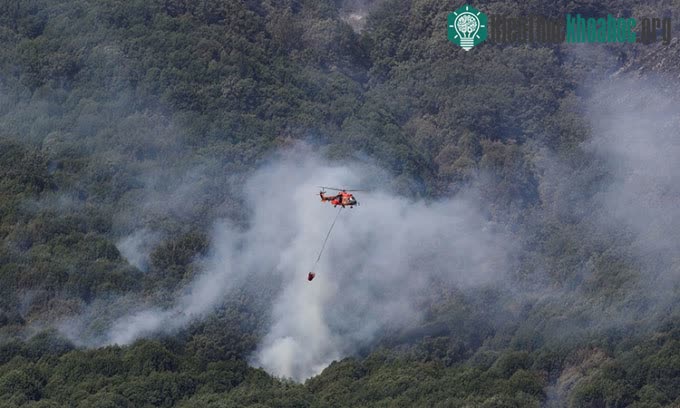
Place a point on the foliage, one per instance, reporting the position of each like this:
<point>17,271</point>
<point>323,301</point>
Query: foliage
<point>105,103</point>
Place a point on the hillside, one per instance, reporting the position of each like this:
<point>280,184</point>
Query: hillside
<point>516,246</point>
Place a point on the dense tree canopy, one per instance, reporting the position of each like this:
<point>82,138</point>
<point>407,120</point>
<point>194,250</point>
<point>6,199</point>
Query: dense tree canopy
<point>103,101</point>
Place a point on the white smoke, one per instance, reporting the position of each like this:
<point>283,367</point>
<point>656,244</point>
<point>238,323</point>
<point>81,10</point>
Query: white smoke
<point>380,262</point>
<point>637,125</point>
<point>355,12</point>
<point>622,196</point>
<point>627,194</point>
<point>135,248</point>
<point>384,257</point>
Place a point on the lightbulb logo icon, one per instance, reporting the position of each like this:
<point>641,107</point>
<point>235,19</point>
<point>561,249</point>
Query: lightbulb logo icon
<point>467,27</point>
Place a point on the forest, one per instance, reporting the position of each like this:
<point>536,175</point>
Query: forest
<point>159,162</point>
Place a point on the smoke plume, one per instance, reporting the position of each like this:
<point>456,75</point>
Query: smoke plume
<point>379,264</point>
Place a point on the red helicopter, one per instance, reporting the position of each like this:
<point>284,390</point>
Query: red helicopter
<point>343,198</point>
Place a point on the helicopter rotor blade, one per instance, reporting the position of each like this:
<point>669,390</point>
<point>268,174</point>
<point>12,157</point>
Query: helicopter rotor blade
<point>342,189</point>
<point>333,188</point>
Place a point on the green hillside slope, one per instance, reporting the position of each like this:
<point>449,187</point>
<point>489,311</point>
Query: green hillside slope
<point>120,117</point>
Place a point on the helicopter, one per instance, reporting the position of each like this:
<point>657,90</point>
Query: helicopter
<point>343,198</point>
